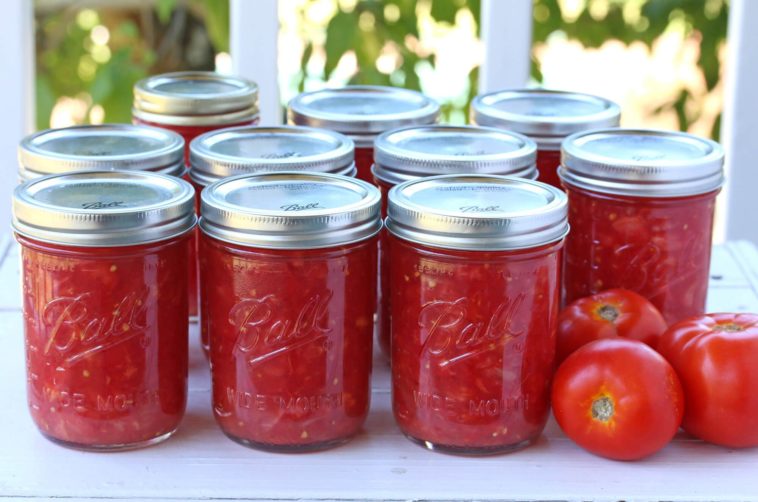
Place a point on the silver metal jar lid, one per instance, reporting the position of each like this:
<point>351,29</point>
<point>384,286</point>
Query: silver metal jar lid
<point>413,152</point>
<point>362,111</point>
<point>477,212</point>
<point>247,150</point>
<point>101,147</point>
<point>195,98</point>
<point>641,162</point>
<point>291,210</point>
<point>103,208</point>
<point>545,116</point>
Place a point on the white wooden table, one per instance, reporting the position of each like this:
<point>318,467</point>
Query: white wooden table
<point>200,463</point>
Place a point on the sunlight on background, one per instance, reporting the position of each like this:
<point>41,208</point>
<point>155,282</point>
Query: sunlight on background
<point>88,59</point>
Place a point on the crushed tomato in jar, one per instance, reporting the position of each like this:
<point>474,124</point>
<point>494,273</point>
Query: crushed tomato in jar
<point>288,265</point>
<point>421,151</point>
<point>474,277</point>
<point>104,257</point>
<point>191,103</point>
<point>362,112</point>
<point>258,149</point>
<point>641,206</point>
<point>547,117</point>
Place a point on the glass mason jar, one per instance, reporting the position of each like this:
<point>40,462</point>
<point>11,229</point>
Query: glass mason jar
<point>362,112</point>
<point>194,102</point>
<point>288,290</point>
<point>641,208</point>
<point>191,103</point>
<point>547,117</point>
<point>104,260</point>
<point>101,148</point>
<point>248,150</point>
<point>417,152</point>
<point>475,278</point>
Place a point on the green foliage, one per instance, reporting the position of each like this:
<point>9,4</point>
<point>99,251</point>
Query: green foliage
<point>602,20</point>
<point>374,25</point>
<point>141,41</point>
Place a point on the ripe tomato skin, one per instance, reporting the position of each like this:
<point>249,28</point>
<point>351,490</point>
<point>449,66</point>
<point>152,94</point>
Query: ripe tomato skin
<point>609,314</point>
<point>716,357</point>
<point>618,398</point>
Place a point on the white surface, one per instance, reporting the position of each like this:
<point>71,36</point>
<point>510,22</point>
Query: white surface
<point>506,28</point>
<point>253,36</point>
<point>740,121</point>
<point>16,93</point>
<point>200,463</point>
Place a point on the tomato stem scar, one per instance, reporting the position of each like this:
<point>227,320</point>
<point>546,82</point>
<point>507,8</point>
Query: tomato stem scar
<point>603,409</point>
<point>608,312</point>
<point>729,327</point>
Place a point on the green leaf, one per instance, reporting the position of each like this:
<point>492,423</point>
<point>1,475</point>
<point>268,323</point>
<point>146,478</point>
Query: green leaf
<point>45,101</point>
<point>216,16</point>
<point>164,9</point>
<point>444,10</point>
<point>340,37</point>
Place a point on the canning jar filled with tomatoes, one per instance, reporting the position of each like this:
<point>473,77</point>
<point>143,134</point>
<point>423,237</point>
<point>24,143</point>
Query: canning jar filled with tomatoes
<point>191,103</point>
<point>362,112</point>
<point>474,278</point>
<point>101,147</point>
<point>547,117</point>
<point>104,260</point>
<point>641,206</point>
<point>249,150</point>
<point>421,151</point>
<point>288,266</point>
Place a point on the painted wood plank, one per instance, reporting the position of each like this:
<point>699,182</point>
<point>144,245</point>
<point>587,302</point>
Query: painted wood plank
<point>741,120</point>
<point>506,29</point>
<point>253,40</point>
<point>16,92</point>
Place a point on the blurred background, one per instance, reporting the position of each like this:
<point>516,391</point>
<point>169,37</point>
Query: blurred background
<point>661,60</point>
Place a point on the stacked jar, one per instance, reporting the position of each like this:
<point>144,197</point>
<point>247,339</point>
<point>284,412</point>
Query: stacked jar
<point>475,280</point>
<point>545,116</point>
<point>248,150</point>
<point>361,113</point>
<point>288,265</point>
<point>417,152</point>
<point>101,147</point>
<point>104,259</point>
<point>191,103</point>
<point>641,212</point>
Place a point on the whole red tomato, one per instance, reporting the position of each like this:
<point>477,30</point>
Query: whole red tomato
<point>716,357</point>
<point>609,314</point>
<point>618,399</point>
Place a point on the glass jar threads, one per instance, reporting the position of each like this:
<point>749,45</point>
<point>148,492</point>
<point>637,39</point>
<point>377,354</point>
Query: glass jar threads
<point>545,116</point>
<point>288,266</point>
<point>193,102</point>
<point>101,147</point>
<point>474,277</point>
<point>362,112</point>
<point>641,211</point>
<point>104,260</point>
<point>416,152</point>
